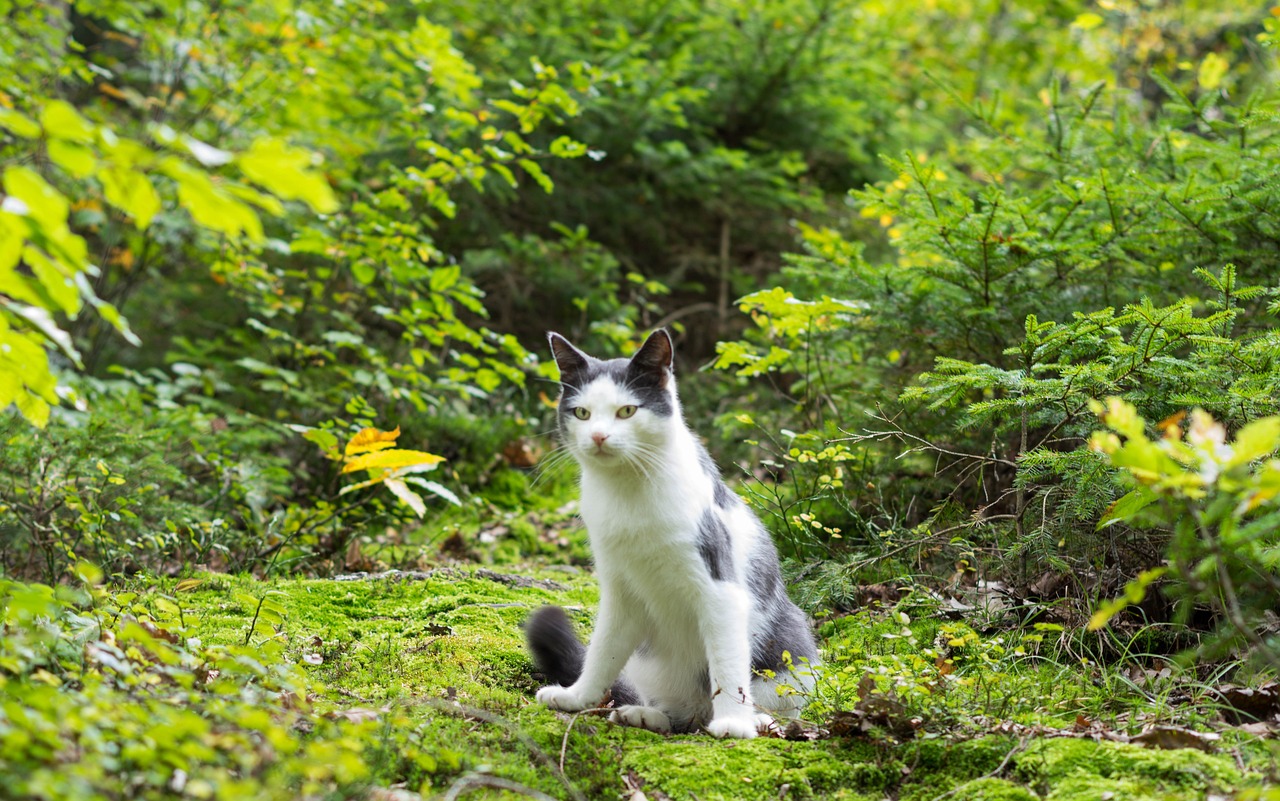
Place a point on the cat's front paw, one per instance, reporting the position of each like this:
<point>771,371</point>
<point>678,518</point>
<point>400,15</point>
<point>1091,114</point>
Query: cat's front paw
<point>743,728</point>
<point>565,699</point>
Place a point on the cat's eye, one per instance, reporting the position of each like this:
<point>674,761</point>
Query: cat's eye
<point>625,412</point>
<point>581,413</point>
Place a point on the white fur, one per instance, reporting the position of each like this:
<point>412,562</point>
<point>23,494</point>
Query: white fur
<point>643,492</point>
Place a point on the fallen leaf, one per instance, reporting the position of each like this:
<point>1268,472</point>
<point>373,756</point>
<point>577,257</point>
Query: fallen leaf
<point>1174,737</point>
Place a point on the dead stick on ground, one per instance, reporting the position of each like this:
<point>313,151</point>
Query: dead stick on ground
<point>471,781</point>
<point>458,709</point>
<point>999,769</point>
<point>564,744</point>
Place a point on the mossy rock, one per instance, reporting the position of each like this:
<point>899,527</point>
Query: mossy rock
<point>1075,770</point>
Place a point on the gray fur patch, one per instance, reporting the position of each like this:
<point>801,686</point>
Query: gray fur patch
<point>720,492</point>
<point>763,578</point>
<point>649,388</point>
<point>714,546</point>
<point>788,631</point>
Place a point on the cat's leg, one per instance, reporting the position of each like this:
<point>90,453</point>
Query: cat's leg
<point>722,621</point>
<point>671,684</point>
<point>618,631</point>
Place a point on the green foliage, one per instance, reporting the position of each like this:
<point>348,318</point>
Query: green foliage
<point>267,215</point>
<point>151,710</point>
<point>1216,501</point>
<point>1055,253</point>
<point>419,682</point>
<point>131,485</point>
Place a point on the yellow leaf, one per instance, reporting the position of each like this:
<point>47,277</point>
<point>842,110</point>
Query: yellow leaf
<point>371,439</point>
<point>1212,70</point>
<point>392,460</point>
<point>1087,21</point>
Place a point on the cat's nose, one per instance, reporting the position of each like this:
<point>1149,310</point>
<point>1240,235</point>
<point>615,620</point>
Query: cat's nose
<point>599,438</point>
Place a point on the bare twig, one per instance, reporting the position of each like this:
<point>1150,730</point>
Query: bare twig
<point>471,781</point>
<point>462,710</point>
<point>1022,744</point>
<point>564,743</point>
<point>925,445</point>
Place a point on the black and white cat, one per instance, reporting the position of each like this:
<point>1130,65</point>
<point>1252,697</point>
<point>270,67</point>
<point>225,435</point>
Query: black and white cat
<point>692,607</point>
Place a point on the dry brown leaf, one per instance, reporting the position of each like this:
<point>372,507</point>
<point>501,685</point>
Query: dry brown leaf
<point>1174,737</point>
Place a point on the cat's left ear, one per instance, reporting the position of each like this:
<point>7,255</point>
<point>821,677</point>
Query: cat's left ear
<point>657,354</point>
<point>571,361</point>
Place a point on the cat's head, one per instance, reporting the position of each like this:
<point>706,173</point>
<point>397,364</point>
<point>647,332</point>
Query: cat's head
<point>618,412</point>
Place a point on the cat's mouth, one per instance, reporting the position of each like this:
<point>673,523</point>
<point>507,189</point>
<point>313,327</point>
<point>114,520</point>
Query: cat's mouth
<point>603,453</point>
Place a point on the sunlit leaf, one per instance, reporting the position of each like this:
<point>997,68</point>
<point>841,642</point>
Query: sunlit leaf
<point>18,124</point>
<point>1127,506</point>
<point>62,121</point>
<point>392,460</point>
<point>371,439</point>
<point>287,172</point>
<point>131,192</point>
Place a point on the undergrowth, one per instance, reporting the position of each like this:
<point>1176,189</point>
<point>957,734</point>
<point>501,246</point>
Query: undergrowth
<point>223,687</point>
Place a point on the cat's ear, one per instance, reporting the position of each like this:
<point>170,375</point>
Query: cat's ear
<point>571,361</point>
<point>657,354</point>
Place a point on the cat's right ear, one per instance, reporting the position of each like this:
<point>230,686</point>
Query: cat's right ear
<point>571,361</point>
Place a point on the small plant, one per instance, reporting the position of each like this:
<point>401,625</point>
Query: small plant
<point>1216,500</point>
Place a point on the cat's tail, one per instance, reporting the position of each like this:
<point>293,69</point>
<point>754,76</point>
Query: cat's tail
<point>558,654</point>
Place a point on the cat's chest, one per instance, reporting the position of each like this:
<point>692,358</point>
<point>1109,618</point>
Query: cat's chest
<point>666,509</point>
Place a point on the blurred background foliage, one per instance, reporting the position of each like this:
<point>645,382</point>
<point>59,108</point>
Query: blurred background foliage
<point>903,246</point>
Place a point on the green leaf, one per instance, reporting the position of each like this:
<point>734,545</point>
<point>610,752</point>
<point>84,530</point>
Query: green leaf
<point>1212,70</point>
<point>41,201</point>
<point>76,159</point>
<point>1087,21</point>
<point>18,124</point>
<point>535,172</point>
<point>567,148</point>
<point>131,192</point>
<point>1127,506</point>
<point>62,121</point>
<point>1256,440</point>
<point>443,278</point>
<point>286,172</point>
<point>42,321</point>
<point>213,208</point>
<point>55,278</point>
<point>1134,592</point>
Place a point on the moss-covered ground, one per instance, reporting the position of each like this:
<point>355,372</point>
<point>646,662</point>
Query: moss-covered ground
<point>429,668</point>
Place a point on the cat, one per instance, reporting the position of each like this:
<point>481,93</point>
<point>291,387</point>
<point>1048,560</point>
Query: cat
<point>695,629</point>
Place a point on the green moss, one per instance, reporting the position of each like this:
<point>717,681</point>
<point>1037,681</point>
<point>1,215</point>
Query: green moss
<point>507,488</point>
<point>431,649</point>
<point>990,789</point>
<point>935,766</point>
<point>684,767</point>
<point>1068,769</point>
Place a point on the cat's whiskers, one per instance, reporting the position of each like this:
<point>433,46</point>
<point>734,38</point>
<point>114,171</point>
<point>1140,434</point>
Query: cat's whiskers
<point>648,459</point>
<point>552,463</point>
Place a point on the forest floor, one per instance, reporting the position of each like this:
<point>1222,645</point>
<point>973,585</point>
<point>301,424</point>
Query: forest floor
<point>431,664</point>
